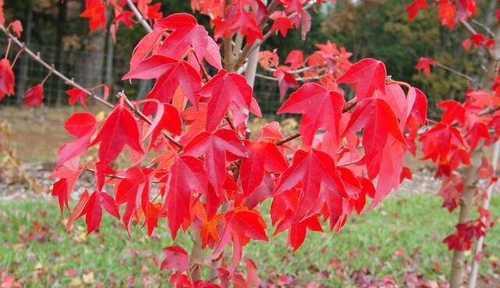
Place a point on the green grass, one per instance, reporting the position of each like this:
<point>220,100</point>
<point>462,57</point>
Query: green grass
<point>402,235</point>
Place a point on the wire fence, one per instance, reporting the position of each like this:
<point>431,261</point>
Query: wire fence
<point>89,69</point>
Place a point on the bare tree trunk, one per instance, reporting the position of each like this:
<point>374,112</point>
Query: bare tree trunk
<point>466,205</point>
<point>491,74</point>
<point>253,60</point>
<point>23,62</point>
<point>486,203</point>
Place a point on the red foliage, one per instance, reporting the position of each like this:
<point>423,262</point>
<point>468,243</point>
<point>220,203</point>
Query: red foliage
<point>185,155</point>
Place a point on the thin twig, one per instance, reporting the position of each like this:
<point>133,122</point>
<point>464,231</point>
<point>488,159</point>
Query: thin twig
<point>249,48</point>
<point>71,82</point>
<point>139,16</point>
<point>46,78</point>
<point>37,58</point>
<point>17,56</point>
<point>485,28</point>
<point>147,120</point>
<point>456,72</point>
<point>301,79</point>
<point>288,139</point>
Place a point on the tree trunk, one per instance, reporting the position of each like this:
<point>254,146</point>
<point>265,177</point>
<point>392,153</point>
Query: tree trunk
<point>466,205</point>
<point>60,59</point>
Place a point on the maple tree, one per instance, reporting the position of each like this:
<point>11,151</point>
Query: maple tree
<point>185,156</point>
<point>457,142</point>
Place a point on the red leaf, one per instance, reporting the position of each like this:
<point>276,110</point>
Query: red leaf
<point>237,19</point>
<point>311,172</point>
<point>414,9</point>
<point>176,258</point>
<point>425,64</point>
<point>227,89</point>
<point>171,74</point>
<point>367,76</point>
<point>298,231</point>
<point>377,119</point>
<point>17,28</point>
<point>91,206</point>
<point>7,79</point>
<point>281,23</point>
<point>186,35</point>
<point>448,13</point>
<point>453,111</point>
<point>34,96</point>
<point>322,109</point>
<point>119,129</point>
<point>77,96</point>
<point>214,147</point>
<point>82,126</point>
<point>170,121</point>
<point>263,157</point>
<point>440,141</point>
<point>95,12</point>
<point>68,175</point>
<point>187,177</point>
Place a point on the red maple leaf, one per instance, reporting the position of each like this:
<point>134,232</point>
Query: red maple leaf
<point>186,180</point>
<point>171,74</point>
<point>81,126</point>
<point>119,130</point>
<point>282,23</point>
<point>425,64</point>
<point>7,79</point>
<point>16,27</point>
<point>448,13</point>
<point>263,157</point>
<point>186,34</point>
<point>214,147</point>
<point>379,122</point>
<point>176,258</point>
<point>34,96</point>
<point>321,109</point>
<point>311,172</point>
<point>91,206</point>
<point>77,96</point>
<point>367,76</point>
<point>415,7</point>
<point>95,12</point>
<point>226,89</point>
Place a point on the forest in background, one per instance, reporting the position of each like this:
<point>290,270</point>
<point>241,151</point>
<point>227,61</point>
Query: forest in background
<point>370,28</point>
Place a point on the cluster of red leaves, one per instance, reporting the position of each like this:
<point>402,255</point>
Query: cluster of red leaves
<point>466,233</point>
<point>450,12</point>
<point>478,40</point>
<point>184,155</point>
<point>450,143</point>
<point>196,167</point>
<point>325,65</point>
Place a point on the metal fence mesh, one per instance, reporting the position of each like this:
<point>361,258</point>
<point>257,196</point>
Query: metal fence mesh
<point>29,72</point>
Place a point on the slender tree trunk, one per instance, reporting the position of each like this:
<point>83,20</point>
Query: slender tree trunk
<point>492,72</point>
<point>253,60</point>
<point>466,205</point>
<point>485,205</point>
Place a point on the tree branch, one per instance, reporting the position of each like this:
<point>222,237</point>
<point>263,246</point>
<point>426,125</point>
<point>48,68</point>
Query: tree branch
<point>50,68</point>
<point>71,82</point>
<point>139,16</point>
<point>456,72</point>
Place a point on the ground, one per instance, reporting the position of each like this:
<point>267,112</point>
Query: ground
<point>398,241</point>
